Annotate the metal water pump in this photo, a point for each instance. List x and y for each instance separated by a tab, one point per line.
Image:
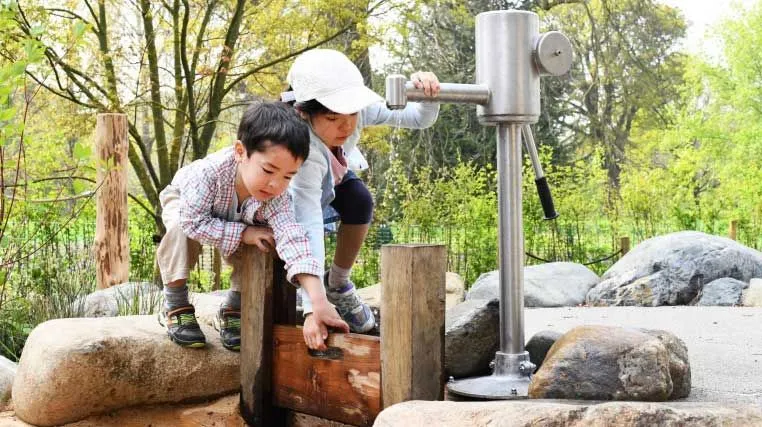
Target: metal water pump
511	55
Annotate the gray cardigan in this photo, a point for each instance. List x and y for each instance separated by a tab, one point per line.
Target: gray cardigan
312	187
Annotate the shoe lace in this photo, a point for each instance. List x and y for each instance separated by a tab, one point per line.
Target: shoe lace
233	322
186	319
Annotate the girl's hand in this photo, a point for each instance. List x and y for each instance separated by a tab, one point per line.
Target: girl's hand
259	236
427	81
315	329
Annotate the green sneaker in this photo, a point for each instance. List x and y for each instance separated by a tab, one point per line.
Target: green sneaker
182	326
228	322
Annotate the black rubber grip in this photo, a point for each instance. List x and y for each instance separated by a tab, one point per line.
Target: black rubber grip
543	190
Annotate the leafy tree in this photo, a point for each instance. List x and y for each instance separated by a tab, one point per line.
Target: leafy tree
179	68
626	67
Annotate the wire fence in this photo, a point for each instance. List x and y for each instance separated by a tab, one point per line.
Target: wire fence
471	252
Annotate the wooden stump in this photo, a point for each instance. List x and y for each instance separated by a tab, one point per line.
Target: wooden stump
412	333
111	246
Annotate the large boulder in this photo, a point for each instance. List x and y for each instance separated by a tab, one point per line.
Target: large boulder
471	337
74	368
557	413
752	296
7	373
125	298
539	345
555	284
672	269
724	292
613	363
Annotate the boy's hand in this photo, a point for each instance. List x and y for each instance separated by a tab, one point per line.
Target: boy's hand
315	329
259	236
427	81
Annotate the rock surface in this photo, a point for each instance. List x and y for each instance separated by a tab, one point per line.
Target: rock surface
555	284
539	344
672	269
7	373
570	413
752	296
125	298
723	292
471	337
74	368
613	363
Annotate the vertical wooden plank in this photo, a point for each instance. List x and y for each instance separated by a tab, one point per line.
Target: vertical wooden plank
217	269
111	246
412	332
733	229
256	338
284	294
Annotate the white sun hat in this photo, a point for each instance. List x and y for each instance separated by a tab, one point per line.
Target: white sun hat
329	77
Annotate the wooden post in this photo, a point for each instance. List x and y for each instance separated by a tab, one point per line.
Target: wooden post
412	332
624	245
111	246
733	229
256	338
284	294
216	269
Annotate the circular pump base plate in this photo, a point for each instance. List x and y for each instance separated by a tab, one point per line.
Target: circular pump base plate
492	387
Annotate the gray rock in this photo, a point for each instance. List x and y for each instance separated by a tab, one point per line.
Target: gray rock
73	368
471	337
672	269
539	344
752	297
555	284
518	413
725	291
612	363
125	298
7	373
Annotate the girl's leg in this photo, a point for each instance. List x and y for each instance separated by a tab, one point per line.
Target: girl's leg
354	204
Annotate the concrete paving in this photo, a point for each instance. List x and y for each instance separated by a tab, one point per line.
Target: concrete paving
724	343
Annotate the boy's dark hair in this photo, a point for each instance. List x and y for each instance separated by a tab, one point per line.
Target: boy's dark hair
274	123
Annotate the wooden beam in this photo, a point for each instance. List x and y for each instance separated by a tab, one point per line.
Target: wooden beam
284	305
412	332
256	338
111	246
342	384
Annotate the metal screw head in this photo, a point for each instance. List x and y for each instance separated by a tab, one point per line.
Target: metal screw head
451	379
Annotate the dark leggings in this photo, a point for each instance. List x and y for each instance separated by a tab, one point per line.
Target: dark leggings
353	201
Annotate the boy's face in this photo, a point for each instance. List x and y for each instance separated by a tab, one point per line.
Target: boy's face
264	175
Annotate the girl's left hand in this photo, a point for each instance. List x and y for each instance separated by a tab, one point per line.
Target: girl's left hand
427	81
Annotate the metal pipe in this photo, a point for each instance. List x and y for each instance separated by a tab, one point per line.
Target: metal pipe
511	238
532	151
399	91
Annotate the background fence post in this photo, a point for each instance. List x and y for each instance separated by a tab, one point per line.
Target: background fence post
733	229
111	246
412	329
624	245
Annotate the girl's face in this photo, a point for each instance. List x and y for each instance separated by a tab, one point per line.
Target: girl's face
334	128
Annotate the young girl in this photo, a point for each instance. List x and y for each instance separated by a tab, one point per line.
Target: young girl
329	93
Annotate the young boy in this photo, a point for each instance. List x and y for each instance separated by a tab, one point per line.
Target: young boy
236	197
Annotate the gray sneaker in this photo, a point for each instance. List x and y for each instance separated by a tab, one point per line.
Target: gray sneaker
351	308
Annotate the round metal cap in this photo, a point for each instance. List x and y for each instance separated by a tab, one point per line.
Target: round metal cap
553	54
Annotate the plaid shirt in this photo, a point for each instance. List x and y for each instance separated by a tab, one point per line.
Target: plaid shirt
207	188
